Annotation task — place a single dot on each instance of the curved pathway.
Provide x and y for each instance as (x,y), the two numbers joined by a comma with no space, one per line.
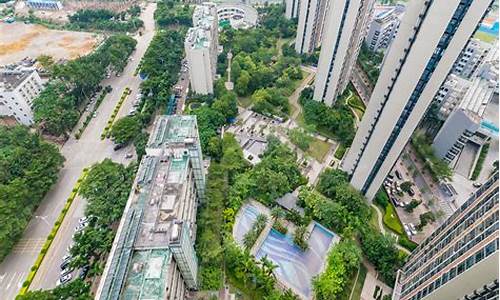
(380,217)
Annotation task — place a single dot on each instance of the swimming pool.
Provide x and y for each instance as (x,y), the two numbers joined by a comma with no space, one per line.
(296,268)
(244,221)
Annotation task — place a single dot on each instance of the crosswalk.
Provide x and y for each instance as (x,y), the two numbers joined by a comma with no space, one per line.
(31,246)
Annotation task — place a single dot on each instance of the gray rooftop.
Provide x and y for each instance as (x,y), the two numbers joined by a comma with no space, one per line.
(11,79)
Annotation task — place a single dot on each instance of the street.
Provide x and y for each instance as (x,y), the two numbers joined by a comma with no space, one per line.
(79,154)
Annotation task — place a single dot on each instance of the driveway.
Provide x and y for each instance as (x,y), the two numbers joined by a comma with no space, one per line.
(79,154)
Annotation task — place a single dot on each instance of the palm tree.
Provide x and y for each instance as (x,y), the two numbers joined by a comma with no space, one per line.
(277,213)
(268,266)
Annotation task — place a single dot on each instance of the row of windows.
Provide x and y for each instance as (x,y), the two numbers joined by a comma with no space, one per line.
(390,88)
(445,226)
(423,276)
(456,271)
(482,208)
(335,49)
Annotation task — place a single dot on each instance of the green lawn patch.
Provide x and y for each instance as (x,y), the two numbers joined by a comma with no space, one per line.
(391,219)
(480,161)
(318,149)
(485,37)
(340,151)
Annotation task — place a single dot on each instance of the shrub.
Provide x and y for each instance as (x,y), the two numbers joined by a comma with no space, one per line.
(280,227)
(405,242)
(26,283)
(391,219)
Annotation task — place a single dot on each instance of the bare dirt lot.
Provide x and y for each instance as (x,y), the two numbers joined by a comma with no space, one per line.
(19,40)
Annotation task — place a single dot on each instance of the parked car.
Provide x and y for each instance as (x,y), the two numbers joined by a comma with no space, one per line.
(477,184)
(64,279)
(84,271)
(407,229)
(66,271)
(411,192)
(398,175)
(66,258)
(64,264)
(129,155)
(118,146)
(412,228)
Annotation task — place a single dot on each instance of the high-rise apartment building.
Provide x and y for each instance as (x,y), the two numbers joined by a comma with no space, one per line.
(345,28)
(431,36)
(292,9)
(153,254)
(201,46)
(384,26)
(459,260)
(18,89)
(310,27)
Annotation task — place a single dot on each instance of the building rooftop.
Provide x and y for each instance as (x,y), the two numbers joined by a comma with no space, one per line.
(478,96)
(167,187)
(11,79)
(175,129)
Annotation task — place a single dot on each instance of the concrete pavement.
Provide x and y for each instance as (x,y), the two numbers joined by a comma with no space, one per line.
(79,154)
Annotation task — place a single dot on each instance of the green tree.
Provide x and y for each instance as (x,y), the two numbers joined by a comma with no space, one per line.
(406,186)
(125,129)
(300,138)
(28,169)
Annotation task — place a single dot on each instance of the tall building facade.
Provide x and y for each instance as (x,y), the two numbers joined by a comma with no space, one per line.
(310,25)
(153,254)
(201,47)
(459,260)
(431,36)
(18,89)
(292,9)
(345,28)
(384,26)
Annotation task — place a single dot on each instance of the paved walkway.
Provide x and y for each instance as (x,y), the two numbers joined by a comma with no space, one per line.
(380,218)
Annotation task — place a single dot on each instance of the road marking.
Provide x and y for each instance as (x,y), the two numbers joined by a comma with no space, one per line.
(28,246)
(10,281)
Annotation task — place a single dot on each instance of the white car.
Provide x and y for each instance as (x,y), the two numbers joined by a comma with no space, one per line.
(407,230)
(413,230)
(64,279)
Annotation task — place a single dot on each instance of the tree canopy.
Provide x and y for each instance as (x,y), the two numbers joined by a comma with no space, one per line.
(125,129)
(28,169)
(56,109)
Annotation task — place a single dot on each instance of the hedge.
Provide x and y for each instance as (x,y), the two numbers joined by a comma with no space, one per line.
(51,236)
(106,132)
(480,161)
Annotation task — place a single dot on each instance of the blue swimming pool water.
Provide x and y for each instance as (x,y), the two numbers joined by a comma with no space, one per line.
(245,221)
(297,268)
(490,127)
(493,29)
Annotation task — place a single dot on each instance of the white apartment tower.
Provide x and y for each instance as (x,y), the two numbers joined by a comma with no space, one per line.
(310,26)
(384,26)
(292,9)
(345,28)
(18,89)
(201,46)
(431,36)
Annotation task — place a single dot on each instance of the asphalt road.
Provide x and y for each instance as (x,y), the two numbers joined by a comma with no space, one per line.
(79,154)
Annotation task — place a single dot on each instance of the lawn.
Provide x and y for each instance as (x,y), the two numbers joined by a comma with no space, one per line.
(318,149)
(340,151)
(485,37)
(357,105)
(391,219)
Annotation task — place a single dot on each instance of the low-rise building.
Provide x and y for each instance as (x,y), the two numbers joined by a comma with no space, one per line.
(450,94)
(384,26)
(237,15)
(201,46)
(153,255)
(18,89)
(472,57)
(44,4)
(466,123)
